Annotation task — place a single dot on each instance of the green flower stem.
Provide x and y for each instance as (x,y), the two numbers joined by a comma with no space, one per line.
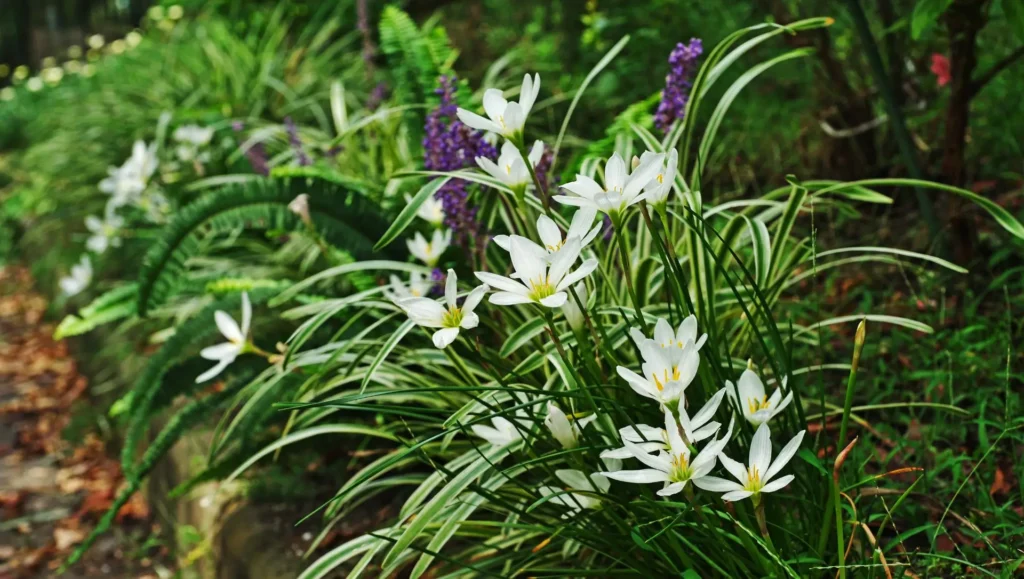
(668,256)
(837,510)
(593,333)
(762,521)
(620,235)
(545,199)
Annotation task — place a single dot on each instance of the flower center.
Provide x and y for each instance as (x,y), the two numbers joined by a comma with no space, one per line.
(680,469)
(753,404)
(661,178)
(665,377)
(452,318)
(541,288)
(753,480)
(556,247)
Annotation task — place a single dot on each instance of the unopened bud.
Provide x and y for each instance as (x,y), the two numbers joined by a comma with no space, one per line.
(300,207)
(858,343)
(572,311)
(636,162)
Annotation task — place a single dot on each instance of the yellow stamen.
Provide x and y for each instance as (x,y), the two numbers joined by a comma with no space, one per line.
(660,381)
(753,480)
(452,318)
(541,288)
(753,404)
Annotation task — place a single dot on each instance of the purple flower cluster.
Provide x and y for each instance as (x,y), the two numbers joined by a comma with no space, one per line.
(449,145)
(378,95)
(296,143)
(683,62)
(256,154)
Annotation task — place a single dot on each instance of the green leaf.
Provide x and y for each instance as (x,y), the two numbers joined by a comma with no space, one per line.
(521,336)
(409,212)
(926,14)
(762,249)
(393,340)
(1014,10)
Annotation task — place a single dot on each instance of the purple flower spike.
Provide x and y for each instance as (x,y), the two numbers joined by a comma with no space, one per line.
(296,143)
(683,62)
(256,154)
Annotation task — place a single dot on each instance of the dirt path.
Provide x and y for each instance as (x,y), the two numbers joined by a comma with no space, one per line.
(56,476)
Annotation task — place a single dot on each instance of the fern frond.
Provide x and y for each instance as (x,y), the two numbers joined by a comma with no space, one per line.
(111,306)
(342,217)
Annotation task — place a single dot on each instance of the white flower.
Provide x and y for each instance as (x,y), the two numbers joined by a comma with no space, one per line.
(571,310)
(756,478)
(34,84)
(193,135)
(104,232)
(671,342)
(757,407)
(126,183)
(657,189)
(429,252)
(155,204)
(502,432)
(431,211)
(510,168)
(566,432)
(300,207)
(577,480)
(418,287)
(651,439)
(534,280)
(665,377)
(449,317)
(673,468)
(505,118)
(238,339)
(551,236)
(621,188)
(81,275)
(143,162)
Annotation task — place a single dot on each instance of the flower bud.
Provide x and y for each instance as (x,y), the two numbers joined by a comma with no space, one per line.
(572,311)
(300,207)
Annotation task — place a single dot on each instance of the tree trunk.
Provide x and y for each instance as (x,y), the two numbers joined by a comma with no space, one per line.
(964,20)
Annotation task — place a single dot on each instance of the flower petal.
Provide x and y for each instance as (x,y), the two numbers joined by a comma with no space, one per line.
(735,468)
(214,371)
(655,462)
(734,496)
(785,455)
(584,187)
(494,103)
(716,485)
(761,450)
(228,327)
(585,269)
(508,299)
(501,282)
(221,351)
(475,121)
(549,233)
(555,300)
(637,476)
(451,289)
(777,484)
(424,311)
(445,336)
(672,489)
(473,299)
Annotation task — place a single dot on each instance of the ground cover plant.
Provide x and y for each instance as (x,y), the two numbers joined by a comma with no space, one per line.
(557,357)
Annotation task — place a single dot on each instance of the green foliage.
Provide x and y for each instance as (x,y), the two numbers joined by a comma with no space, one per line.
(116,304)
(343,217)
(417,57)
(926,14)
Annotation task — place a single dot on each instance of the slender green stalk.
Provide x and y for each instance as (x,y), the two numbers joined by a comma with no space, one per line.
(838,514)
(620,236)
(545,199)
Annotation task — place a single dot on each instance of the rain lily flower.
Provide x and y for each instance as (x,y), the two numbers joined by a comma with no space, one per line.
(651,439)
(656,191)
(749,395)
(125,183)
(756,477)
(551,235)
(300,207)
(104,232)
(673,343)
(510,168)
(573,314)
(191,138)
(81,275)
(450,318)
(504,118)
(576,480)
(501,432)
(431,211)
(665,376)
(566,432)
(673,468)
(238,340)
(534,280)
(429,252)
(418,287)
(620,190)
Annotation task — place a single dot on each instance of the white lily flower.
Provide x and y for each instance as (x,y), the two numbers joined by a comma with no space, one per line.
(671,342)
(104,232)
(449,317)
(757,407)
(665,377)
(431,211)
(656,191)
(429,252)
(155,205)
(571,310)
(576,480)
(551,236)
(534,280)
(125,183)
(238,339)
(501,432)
(673,468)
(510,168)
(419,286)
(81,276)
(504,118)
(652,439)
(620,190)
(566,432)
(756,477)
(191,139)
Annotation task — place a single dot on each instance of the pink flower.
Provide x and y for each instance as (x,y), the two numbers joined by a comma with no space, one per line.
(940,67)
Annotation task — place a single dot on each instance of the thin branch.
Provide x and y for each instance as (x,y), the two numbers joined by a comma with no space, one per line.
(991,73)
